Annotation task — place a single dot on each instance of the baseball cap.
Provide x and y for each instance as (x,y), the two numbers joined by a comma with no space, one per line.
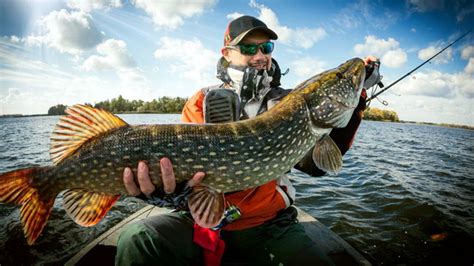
(240,27)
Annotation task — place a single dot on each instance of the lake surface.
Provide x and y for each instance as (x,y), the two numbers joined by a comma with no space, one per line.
(405,195)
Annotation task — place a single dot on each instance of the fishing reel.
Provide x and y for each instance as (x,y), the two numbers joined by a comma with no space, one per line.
(231,214)
(373,78)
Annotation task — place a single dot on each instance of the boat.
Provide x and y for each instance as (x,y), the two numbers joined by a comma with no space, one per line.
(101,251)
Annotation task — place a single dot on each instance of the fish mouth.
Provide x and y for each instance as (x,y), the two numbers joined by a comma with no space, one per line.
(352,74)
(339,96)
(354,71)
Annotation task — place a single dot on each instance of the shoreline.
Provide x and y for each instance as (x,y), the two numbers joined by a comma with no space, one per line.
(426,124)
(401,121)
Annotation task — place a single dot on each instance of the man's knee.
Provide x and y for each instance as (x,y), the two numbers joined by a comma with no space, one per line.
(136,246)
(133,235)
(165,238)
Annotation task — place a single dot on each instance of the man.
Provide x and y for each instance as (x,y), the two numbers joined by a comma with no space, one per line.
(267,231)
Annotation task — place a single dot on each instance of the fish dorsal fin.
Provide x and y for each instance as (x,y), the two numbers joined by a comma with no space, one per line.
(327,156)
(87,208)
(81,124)
(206,206)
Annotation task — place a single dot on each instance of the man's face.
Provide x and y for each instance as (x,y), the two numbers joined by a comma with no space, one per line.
(258,60)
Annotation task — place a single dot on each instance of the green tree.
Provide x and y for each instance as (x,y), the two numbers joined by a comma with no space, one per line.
(166,105)
(380,115)
(59,109)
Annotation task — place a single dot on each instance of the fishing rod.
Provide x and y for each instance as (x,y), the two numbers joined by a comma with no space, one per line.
(413,70)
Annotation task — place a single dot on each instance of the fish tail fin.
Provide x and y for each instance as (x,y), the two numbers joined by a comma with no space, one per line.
(16,187)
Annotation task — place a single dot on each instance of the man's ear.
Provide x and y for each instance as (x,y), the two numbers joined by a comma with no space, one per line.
(225,53)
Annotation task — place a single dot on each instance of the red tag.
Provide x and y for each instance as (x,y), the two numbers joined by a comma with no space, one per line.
(213,246)
(363,94)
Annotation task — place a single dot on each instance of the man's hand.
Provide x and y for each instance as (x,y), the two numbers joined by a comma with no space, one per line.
(370,59)
(373,77)
(145,185)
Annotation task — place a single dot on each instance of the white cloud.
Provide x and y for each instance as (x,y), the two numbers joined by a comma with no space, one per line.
(89,5)
(430,109)
(12,94)
(307,67)
(170,14)
(130,74)
(432,84)
(426,5)
(366,13)
(306,37)
(19,69)
(234,15)
(467,52)
(28,41)
(72,32)
(36,85)
(469,69)
(14,98)
(437,84)
(464,83)
(376,46)
(113,55)
(299,37)
(443,58)
(35,40)
(388,51)
(15,39)
(394,58)
(188,59)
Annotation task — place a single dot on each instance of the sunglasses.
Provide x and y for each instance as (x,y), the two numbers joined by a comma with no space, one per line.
(252,49)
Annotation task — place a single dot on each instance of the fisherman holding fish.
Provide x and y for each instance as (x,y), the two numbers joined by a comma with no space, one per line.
(259,224)
(228,180)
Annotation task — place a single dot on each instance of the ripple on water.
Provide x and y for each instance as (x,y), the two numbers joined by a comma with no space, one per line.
(400,185)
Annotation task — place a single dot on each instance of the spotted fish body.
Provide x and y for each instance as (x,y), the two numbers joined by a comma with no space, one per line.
(91,148)
(234,156)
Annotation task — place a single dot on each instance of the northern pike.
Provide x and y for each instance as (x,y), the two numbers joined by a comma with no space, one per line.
(91,147)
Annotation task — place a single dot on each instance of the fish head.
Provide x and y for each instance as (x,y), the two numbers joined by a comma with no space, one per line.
(332,96)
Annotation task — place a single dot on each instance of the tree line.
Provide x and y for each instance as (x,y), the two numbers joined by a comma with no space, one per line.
(163,105)
(380,115)
(169,105)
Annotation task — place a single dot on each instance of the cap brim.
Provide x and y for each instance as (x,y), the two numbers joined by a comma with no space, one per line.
(271,34)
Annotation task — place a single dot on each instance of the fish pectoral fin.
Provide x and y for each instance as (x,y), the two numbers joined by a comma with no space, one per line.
(88,208)
(327,156)
(206,205)
(81,124)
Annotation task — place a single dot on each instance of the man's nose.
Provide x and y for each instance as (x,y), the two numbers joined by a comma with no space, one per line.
(259,55)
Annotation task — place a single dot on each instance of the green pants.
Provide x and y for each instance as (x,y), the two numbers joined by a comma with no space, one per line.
(168,240)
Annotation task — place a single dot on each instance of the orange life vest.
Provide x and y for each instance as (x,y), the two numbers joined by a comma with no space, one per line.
(257,205)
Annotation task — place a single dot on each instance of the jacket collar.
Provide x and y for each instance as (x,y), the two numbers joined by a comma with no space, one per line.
(223,75)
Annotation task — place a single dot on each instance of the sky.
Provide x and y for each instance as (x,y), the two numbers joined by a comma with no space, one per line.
(77,51)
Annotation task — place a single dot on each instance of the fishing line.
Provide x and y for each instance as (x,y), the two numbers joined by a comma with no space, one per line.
(373,90)
(413,70)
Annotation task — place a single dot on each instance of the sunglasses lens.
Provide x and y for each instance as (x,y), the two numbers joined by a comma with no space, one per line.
(267,47)
(248,49)
(252,49)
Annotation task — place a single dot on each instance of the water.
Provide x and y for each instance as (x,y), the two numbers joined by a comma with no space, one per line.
(404,196)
